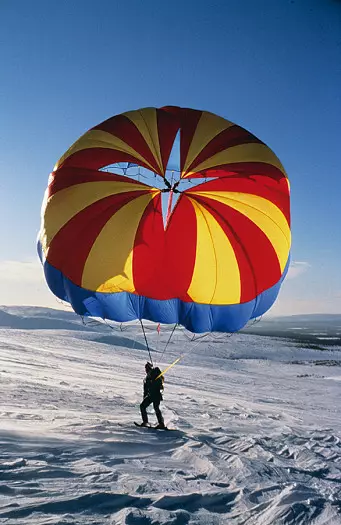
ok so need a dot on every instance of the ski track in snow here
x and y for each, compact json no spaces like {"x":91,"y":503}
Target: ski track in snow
{"x":257,"y":439}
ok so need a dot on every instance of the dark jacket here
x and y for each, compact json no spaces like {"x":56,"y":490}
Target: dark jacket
{"x":152,"y":387}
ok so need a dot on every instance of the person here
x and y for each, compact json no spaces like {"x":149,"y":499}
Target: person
{"x":152,"y":393}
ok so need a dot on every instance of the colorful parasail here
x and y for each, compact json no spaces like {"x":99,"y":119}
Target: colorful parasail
{"x":214,"y":261}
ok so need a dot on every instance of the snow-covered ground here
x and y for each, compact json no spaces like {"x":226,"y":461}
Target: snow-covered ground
{"x":257,"y":436}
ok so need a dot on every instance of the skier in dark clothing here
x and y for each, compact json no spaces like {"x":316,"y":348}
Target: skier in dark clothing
{"x":152,"y":387}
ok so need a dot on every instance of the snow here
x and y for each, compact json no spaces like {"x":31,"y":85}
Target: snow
{"x":328,"y":338}
{"x":257,"y":436}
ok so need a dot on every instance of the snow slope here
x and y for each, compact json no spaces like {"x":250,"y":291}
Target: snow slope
{"x":256,"y":440}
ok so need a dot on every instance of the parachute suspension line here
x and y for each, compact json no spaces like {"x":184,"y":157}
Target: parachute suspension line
{"x":177,"y":360}
{"x":196,"y":337}
{"x":121,"y":327}
{"x":109,"y":325}
{"x":147,"y":345}
{"x":64,"y":303}
{"x":88,"y":321}
{"x":169,"y":338}
{"x":256,"y":320}
{"x":170,"y":200}
{"x":169,"y":207}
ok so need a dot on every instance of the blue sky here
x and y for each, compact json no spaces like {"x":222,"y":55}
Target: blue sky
{"x":273,"y":67}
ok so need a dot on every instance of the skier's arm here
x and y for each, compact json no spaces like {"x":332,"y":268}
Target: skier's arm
{"x":159,"y":383}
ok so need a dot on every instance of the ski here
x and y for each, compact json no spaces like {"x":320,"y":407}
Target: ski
{"x":152,"y":428}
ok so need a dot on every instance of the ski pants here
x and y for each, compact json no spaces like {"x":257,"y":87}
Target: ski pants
{"x":156,"y":404}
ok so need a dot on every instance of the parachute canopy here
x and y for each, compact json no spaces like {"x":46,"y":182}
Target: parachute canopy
{"x":218,"y":258}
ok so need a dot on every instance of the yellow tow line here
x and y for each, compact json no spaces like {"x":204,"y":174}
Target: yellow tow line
{"x":168,"y":367}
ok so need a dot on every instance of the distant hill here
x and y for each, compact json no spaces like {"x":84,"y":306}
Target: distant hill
{"x":306,"y":318}
{"x":35,"y":318}
{"x":39,"y":318}
{"x":313,"y":328}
